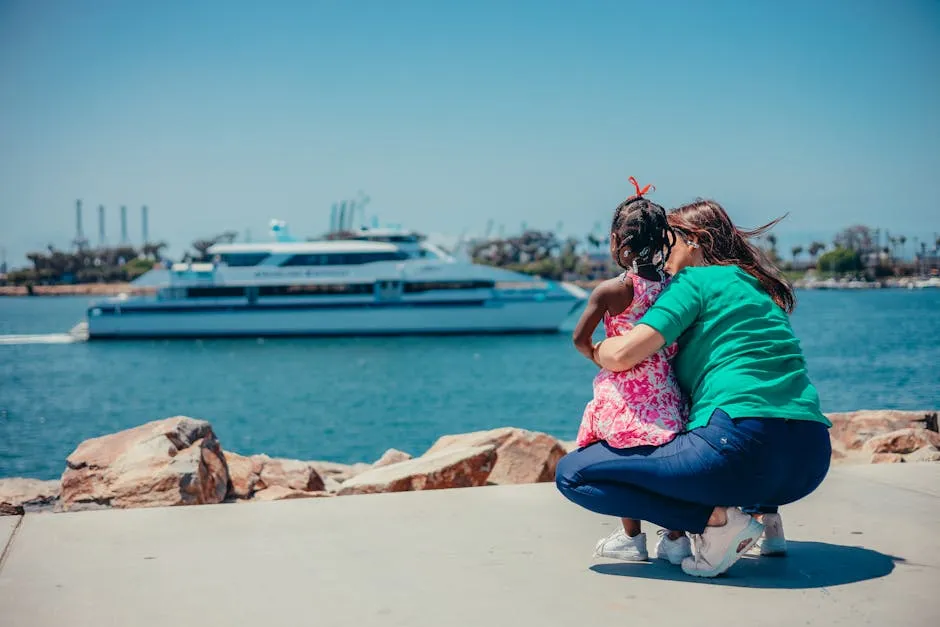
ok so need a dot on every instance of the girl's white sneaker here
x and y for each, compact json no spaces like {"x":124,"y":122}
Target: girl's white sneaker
{"x":674,"y":551}
{"x":773,"y":543}
{"x":620,"y":546}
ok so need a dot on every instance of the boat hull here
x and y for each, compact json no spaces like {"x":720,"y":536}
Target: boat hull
{"x":529,"y":316}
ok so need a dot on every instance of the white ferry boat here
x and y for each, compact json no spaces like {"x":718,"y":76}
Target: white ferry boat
{"x":373,"y":282}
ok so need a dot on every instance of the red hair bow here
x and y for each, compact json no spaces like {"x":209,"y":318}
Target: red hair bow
{"x":640,"y":192}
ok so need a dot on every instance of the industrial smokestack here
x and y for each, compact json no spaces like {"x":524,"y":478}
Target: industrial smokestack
{"x":79,"y":242}
{"x":123,"y":224}
{"x":143,"y":225}
{"x":101,"y":237}
{"x":78,"y":221}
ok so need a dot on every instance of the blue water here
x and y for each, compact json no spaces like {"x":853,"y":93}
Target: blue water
{"x":350,"y":399}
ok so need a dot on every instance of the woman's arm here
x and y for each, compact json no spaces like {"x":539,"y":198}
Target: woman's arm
{"x":674,"y":311}
{"x":625,"y":351}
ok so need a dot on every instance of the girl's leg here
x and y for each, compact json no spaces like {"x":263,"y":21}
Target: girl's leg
{"x":759,"y":510}
{"x":631,"y":527}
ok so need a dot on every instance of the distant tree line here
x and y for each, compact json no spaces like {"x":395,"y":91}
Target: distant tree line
{"x":854,"y":250}
{"x":87,"y":265}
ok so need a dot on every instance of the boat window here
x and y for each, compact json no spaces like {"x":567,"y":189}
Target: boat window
{"x":243,"y":260}
{"x":343,"y":259}
{"x":447,"y":285}
{"x":215,"y":292}
{"x":322,"y":289}
{"x":397,"y":239}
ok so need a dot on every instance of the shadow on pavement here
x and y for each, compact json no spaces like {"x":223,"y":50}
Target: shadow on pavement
{"x":808,"y":565}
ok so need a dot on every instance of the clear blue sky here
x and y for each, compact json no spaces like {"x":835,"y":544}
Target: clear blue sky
{"x":226,"y":114}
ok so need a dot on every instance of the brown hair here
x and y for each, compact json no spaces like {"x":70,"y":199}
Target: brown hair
{"x":724,"y":244}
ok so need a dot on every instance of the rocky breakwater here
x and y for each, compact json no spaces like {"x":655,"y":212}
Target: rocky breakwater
{"x":885,"y":436}
{"x":179,"y":461}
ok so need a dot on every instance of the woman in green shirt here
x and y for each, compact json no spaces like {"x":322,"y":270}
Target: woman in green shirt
{"x":756,"y":435}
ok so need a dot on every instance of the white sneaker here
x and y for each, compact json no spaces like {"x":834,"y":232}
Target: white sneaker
{"x":674,"y":551}
{"x":620,"y":546}
{"x":718,"y":548}
{"x":773,"y":543}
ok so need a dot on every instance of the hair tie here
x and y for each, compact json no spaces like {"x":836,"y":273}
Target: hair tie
{"x":640,"y":192}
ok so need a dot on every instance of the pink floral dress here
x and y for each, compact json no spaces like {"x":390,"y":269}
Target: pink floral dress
{"x":641,"y":406}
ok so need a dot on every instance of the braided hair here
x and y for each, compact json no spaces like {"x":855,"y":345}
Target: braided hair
{"x":641,"y":228}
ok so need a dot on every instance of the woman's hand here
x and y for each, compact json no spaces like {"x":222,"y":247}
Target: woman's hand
{"x":626,"y":351}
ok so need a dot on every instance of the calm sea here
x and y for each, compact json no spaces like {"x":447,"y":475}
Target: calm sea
{"x":350,"y":399}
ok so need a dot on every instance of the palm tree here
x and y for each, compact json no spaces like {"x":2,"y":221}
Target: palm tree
{"x":772,"y":240}
{"x":796,"y":251}
{"x":902,"y":239}
{"x":153,"y":250}
{"x":815,"y":248}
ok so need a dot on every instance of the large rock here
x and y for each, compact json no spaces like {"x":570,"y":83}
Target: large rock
{"x":176,"y":461}
{"x":289,"y":473}
{"x":244,"y":473}
{"x":460,"y":468}
{"x":250,"y":475}
{"x":283,"y":493}
{"x":887,"y":458}
{"x":851,"y":430}
{"x":924,"y":454}
{"x":333,"y":471}
{"x":9,"y":509}
{"x":903,"y":441}
{"x":391,"y":456}
{"x":30,"y":494}
{"x":521,"y":456}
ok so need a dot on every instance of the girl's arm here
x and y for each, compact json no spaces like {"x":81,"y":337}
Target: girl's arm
{"x":598,"y":304}
{"x":625,"y":351}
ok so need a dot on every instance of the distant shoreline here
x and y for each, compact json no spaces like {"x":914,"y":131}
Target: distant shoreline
{"x":81,"y":289}
{"x":114,"y":289}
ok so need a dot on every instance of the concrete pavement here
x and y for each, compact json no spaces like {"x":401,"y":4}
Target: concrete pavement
{"x":863,"y":551}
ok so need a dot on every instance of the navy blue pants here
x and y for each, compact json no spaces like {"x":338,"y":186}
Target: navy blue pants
{"x":757,"y":463}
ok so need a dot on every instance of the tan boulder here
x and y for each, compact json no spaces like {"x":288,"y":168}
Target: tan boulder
{"x":333,"y":471}
{"x":30,"y":494}
{"x":9,"y":509}
{"x":249,"y":475}
{"x":289,"y":473}
{"x":521,"y":456}
{"x":851,"y":430}
{"x":283,"y":493}
{"x":887,"y":458}
{"x":459,"y":468}
{"x":244,"y":472}
{"x":175,"y":461}
{"x":924,"y":454}
{"x":903,"y":441}
{"x":391,"y":456}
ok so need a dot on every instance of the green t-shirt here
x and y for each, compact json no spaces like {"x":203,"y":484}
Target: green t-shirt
{"x":737,"y":351}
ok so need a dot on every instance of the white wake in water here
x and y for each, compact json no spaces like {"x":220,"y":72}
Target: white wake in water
{"x":78,"y":333}
{"x":45,"y":338}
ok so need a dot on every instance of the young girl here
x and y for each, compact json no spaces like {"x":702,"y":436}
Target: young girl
{"x":642,"y":406}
